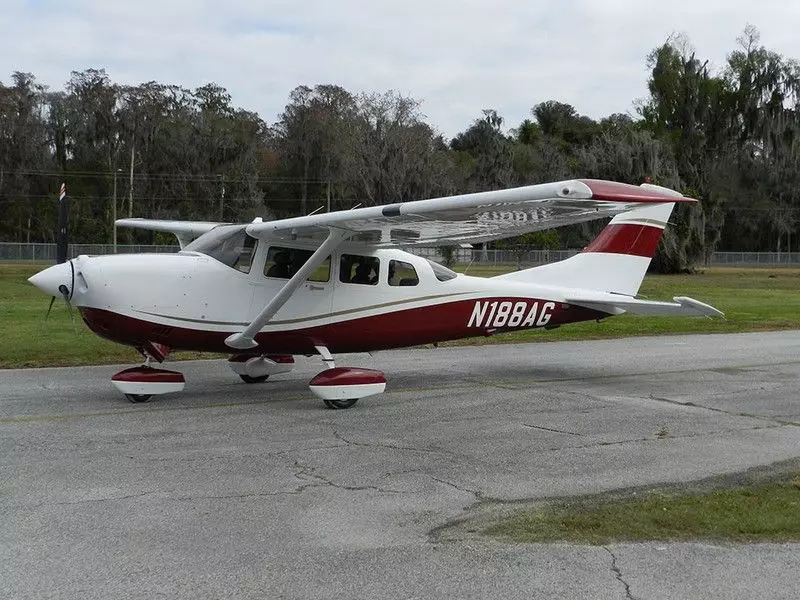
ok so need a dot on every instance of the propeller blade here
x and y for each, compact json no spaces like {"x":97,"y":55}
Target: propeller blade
{"x":62,"y":235}
{"x":71,"y":314}
{"x":49,"y":308}
{"x":65,"y":293}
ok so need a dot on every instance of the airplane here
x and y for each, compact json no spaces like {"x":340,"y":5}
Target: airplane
{"x":341,"y":282}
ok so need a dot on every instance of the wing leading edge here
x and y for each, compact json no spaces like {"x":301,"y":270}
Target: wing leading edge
{"x":477,"y":217}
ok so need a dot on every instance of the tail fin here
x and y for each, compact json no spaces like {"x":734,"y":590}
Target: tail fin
{"x":615,"y":261}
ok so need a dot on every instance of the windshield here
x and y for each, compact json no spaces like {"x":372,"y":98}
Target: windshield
{"x":442,"y":273}
{"x":229,"y":244}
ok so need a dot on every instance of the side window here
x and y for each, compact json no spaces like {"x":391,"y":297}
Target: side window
{"x":359,"y":269}
{"x":282,"y":263}
{"x":402,"y":273}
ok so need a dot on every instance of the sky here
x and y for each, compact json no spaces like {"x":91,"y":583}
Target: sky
{"x":457,"y":57}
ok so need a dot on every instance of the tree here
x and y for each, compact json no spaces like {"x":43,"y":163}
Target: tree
{"x":24,"y":158}
{"x":312,"y":136}
{"x":487,"y":152}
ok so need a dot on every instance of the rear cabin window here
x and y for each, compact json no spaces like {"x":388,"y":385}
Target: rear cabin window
{"x":282,"y":263}
{"x":402,"y":273}
{"x":442,"y":273}
{"x":359,"y":269}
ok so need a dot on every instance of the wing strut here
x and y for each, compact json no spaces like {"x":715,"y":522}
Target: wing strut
{"x":244,"y":339}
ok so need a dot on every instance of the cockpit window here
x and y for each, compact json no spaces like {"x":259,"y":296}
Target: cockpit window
{"x":229,"y":244}
{"x":442,"y":273}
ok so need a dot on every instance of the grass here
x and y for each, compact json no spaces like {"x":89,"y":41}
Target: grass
{"x":759,"y":513}
{"x":753,"y":300}
{"x":28,"y":340}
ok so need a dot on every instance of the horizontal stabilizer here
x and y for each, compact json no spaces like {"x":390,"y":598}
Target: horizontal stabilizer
{"x":681,"y":306}
{"x":185,"y":231}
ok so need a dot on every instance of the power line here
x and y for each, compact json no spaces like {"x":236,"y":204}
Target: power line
{"x":206,"y":177}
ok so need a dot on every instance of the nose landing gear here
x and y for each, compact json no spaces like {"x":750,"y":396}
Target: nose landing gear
{"x":140,"y":384}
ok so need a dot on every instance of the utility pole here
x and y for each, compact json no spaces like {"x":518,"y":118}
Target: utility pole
{"x":114,"y":211}
{"x":130,"y":187}
{"x":328,"y":194}
{"x":222,"y":198}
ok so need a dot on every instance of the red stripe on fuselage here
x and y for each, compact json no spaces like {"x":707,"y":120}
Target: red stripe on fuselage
{"x":627,"y":238}
{"x":397,"y":329}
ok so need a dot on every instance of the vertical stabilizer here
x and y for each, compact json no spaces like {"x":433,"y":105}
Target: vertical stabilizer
{"x":616,"y":260}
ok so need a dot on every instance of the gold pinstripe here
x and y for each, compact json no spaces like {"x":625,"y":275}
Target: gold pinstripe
{"x":314,"y":318}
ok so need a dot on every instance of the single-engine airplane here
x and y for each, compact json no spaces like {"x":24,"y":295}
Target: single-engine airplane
{"x":339,"y":282}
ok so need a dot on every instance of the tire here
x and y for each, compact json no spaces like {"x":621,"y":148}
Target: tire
{"x":340,"y":404}
{"x":138,"y":398}
{"x":259,"y":379}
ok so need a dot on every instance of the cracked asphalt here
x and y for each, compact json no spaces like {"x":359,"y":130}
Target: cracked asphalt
{"x":230,"y":490}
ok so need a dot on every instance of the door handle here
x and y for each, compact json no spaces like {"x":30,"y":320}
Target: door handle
{"x":311,"y":286}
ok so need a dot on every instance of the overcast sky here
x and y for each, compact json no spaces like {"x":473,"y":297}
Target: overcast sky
{"x":456,"y":56}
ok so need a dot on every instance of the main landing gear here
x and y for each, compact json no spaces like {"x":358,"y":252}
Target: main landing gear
{"x":342,"y":387}
{"x":248,"y":379}
{"x":337,"y":387}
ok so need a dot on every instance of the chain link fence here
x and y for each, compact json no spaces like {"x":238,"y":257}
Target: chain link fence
{"x":47,"y":252}
{"x":18,"y":252}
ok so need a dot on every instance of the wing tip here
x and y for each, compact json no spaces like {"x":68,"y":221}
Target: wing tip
{"x":614,"y":191}
{"x":701,"y":307}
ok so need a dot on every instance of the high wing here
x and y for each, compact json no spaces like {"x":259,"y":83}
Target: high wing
{"x":469,"y":218}
{"x":185,"y":231}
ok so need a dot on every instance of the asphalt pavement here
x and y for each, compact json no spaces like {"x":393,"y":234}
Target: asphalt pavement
{"x":229,"y":490}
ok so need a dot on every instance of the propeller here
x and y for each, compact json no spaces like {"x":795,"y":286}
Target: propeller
{"x":49,"y":308}
{"x":62,"y":237}
{"x":62,"y":288}
{"x":65,"y":293}
{"x":62,"y":248}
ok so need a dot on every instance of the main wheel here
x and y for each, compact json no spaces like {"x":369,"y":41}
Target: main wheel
{"x":259,"y":379}
{"x":340,"y":404}
{"x":138,"y":398}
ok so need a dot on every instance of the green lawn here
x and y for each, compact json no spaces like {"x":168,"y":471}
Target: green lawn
{"x":762,"y":512}
{"x":28,"y":340}
{"x":753,"y":300}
